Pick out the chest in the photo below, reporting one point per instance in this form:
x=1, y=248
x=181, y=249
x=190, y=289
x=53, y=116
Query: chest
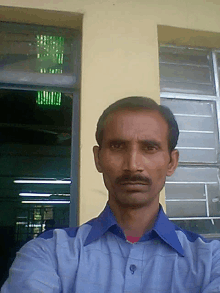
x=118, y=266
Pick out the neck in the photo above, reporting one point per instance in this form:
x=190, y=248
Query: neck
x=135, y=222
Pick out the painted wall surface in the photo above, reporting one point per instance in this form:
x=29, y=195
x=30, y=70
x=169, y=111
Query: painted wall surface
x=119, y=59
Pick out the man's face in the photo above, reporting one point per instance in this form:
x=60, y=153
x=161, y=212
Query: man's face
x=134, y=158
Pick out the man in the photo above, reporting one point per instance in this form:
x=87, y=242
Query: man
x=131, y=246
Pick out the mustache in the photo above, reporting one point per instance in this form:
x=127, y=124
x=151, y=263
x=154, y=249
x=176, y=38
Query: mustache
x=133, y=178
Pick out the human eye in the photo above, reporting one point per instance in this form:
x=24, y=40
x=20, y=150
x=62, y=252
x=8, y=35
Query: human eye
x=117, y=145
x=150, y=147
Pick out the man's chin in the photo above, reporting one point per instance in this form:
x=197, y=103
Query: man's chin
x=132, y=200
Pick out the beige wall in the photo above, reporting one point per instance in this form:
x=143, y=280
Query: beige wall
x=119, y=58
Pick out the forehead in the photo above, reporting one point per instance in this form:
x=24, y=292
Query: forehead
x=140, y=124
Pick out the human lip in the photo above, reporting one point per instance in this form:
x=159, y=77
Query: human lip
x=133, y=183
x=133, y=186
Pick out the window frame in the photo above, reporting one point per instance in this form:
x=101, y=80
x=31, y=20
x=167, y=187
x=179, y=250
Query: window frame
x=75, y=91
x=195, y=97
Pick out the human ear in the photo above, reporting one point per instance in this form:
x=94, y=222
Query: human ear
x=174, y=158
x=96, y=150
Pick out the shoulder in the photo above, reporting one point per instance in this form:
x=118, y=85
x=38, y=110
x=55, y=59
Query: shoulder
x=67, y=232
x=56, y=243
x=188, y=235
x=61, y=235
x=196, y=243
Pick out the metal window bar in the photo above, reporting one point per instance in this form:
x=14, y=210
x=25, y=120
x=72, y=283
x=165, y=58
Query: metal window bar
x=194, y=200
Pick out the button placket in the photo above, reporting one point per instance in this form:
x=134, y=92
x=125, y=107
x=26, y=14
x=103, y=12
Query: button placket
x=133, y=275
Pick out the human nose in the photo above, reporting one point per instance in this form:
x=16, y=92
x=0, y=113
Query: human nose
x=133, y=161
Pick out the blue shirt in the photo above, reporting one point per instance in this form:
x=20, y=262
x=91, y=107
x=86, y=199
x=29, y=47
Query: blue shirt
x=96, y=258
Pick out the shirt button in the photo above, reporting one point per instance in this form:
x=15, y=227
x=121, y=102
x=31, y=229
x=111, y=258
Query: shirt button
x=133, y=268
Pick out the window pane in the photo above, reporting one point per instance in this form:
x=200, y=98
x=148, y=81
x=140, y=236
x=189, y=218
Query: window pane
x=184, y=70
x=198, y=140
x=193, y=192
x=34, y=55
x=209, y=228
x=24, y=120
x=35, y=144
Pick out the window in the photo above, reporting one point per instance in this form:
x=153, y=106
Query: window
x=39, y=96
x=189, y=79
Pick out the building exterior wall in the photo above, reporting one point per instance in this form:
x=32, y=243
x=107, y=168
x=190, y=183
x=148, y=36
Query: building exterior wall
x=119, y=59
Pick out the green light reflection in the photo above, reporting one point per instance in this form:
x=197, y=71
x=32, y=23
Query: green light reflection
x=50, y=52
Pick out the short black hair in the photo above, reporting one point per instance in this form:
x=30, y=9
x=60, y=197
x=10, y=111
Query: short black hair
x=140, y=103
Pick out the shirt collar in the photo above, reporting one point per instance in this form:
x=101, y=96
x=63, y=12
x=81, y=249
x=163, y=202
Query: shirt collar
x=100, y=225
x=163, y=227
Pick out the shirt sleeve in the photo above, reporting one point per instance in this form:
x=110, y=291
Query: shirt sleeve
x=34, y=270
x=214, y=285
